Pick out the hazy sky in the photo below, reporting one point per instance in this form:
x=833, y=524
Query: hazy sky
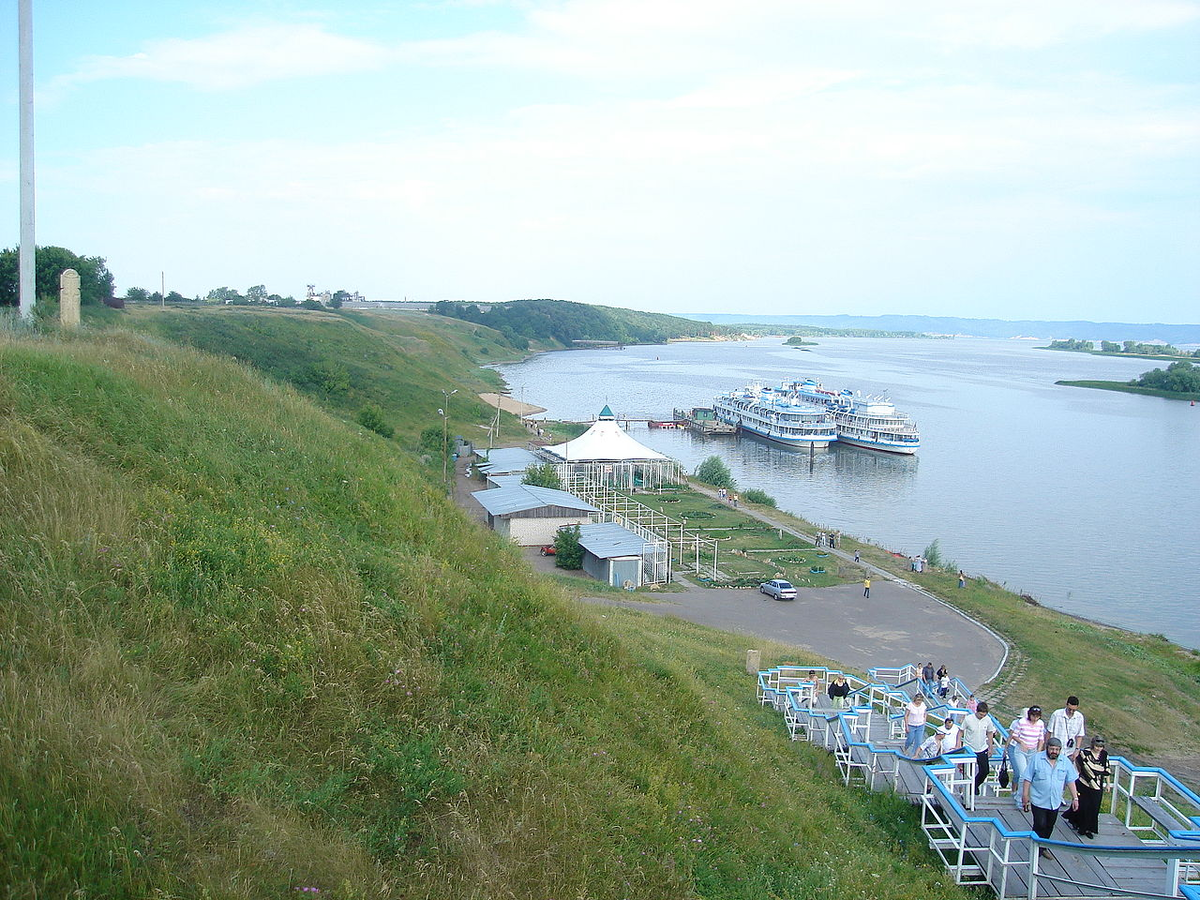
x=998, y=158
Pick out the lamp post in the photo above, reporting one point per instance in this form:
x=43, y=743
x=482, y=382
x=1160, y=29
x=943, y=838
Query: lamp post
x=445, y=450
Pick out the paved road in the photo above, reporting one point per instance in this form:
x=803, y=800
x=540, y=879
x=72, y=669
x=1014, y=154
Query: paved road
x=897, y=625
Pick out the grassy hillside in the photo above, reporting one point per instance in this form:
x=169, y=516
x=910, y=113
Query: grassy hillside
x=559, y=323
x=344, y=360
x=249, y=649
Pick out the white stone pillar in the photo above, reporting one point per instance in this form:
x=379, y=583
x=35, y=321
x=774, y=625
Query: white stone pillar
x=68, y=298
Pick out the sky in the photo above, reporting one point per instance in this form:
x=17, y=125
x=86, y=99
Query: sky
x=995, y=158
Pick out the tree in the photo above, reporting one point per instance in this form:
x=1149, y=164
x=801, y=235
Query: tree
x=371, y=416
x=95, y=281
x=257, y=293
x=137, y=295
x=568, y=552
x=544, y=475
x=1110, y=346
x=714, y=471
x=1179, y=377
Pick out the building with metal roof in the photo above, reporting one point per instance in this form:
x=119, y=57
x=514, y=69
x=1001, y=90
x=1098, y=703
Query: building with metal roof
x=530, y=515
x=617, y=556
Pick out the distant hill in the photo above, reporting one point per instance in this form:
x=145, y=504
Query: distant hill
x=994, y=328
x=562, y=323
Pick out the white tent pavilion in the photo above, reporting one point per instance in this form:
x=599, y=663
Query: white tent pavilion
x=607, y=455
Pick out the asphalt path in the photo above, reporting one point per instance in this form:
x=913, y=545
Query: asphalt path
x=898, y=624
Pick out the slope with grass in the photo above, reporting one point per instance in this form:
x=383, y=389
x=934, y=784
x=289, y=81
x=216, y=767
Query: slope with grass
x=249, y=649
x=345, y=360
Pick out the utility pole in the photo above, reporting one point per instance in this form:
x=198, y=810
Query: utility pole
x=445, y=411
x=27, y=255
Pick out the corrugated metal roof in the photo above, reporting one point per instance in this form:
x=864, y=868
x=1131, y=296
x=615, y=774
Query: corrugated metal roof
x=607, y=539
x=505, y=501
x=499, y=481
x=508, y=459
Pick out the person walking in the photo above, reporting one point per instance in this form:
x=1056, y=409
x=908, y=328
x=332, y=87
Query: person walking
x=1067, y=725
x=979, y=736
x=839, y=690
x=915, y=715
x=1042, y=789
x=927, y=678
x=856, y=554
x=1094, y=772
x=867, y=587
x=1026, y=739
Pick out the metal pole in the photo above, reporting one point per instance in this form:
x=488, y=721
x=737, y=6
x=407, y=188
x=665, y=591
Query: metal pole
x=27, y=256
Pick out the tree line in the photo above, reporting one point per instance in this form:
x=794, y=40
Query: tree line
x=1179, y=377
x=563, y=321
x=95, y=281
x=96, y=285
x=1133, y=348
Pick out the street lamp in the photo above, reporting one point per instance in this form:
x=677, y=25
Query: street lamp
x=445, y=450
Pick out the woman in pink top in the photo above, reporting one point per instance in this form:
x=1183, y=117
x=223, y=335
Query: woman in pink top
x=915, y=715
x=1026, y=740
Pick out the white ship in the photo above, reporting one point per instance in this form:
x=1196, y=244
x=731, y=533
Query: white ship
x=871, y=422
x=775, y=415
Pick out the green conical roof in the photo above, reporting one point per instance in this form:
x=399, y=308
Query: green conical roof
x=606, y=413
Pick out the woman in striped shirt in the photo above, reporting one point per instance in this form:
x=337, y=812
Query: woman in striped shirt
x=1027, y=738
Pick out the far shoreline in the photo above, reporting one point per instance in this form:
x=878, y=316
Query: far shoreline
x=1124, y=388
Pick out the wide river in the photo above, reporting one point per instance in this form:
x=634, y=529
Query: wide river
x=1088, y=500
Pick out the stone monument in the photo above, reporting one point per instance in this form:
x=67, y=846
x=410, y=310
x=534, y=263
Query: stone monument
x=68, y=299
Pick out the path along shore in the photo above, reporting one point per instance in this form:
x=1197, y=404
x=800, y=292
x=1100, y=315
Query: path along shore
x=899, y=624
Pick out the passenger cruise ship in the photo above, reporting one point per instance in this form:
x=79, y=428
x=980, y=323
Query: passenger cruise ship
x=775, y=415
x=870, y=422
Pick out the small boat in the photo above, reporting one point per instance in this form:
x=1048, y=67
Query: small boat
x=667, y=424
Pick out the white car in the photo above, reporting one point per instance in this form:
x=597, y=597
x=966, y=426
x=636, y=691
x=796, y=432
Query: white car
x=779, y=589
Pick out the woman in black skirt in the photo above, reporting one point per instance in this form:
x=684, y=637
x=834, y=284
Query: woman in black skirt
x=1094, y=772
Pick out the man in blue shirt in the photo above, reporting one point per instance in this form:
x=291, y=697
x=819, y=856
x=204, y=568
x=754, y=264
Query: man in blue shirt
x=1042, y=788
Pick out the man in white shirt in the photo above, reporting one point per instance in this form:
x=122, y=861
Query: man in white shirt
x=979, y=736
x=1066, y=724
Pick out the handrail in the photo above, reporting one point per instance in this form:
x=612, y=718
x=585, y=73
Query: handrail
x=846, y=734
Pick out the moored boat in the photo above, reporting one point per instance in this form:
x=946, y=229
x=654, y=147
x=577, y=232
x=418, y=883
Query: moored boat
x=870, y=422
x=776, y=416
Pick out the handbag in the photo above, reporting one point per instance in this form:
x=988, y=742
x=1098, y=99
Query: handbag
x=1003, y=777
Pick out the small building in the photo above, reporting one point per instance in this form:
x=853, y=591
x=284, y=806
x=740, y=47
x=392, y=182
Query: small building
x=617, y=556
x=506, y=461
x=531, y=516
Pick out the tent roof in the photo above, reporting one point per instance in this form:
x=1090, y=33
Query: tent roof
x=605, y=441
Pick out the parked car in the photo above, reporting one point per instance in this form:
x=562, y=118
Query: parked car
x=548, y=550
x=778, y=588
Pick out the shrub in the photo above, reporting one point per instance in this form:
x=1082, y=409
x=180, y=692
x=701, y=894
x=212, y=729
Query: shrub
x=371, y=416
x=543, y=476
x=714, y=471
x=568, y=552
x=762, y=498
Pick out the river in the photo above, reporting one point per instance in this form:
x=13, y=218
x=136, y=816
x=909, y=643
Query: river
x=1088, y=500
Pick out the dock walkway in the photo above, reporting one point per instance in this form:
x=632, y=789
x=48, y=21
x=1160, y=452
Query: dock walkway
x=1149, y=841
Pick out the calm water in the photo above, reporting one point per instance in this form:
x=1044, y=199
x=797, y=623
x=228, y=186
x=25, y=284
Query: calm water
x=1088, y=500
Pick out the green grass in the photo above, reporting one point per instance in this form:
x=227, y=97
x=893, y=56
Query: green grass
x=249, y=647
x=346, y=360
x=1126, y=388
